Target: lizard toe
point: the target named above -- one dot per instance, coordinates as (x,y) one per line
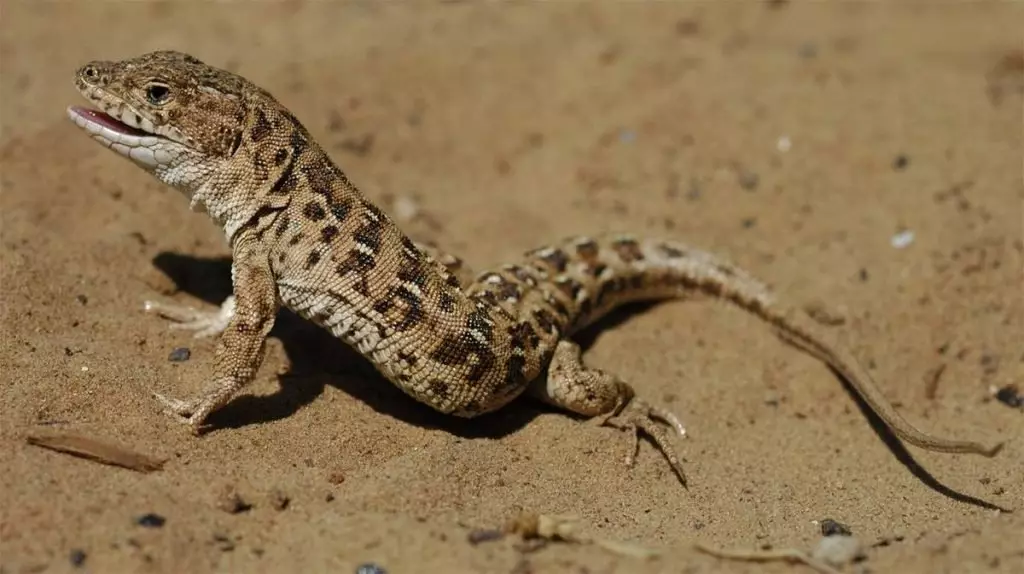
(639,416)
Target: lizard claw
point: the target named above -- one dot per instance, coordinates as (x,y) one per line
(205,323)
(184,412)
(638,415)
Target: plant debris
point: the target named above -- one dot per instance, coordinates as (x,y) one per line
(96,451)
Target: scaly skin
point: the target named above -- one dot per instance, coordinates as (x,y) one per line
(303,236)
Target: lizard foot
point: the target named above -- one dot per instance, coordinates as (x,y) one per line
(185,412)
(635,415)
(205,323)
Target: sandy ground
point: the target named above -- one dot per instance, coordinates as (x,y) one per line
(797,139)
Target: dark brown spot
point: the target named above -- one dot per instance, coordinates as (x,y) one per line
(558,306)
(286,182)
(446,302)
(295,239)
(312,259)
(257,220)
(412,273)
(628,250)
(407,358)
(261,127)
(358,263)
(725,270)
(524,335)
(570,287)
(383,306)
(478,321)
(328,233)
(340,209)
(314,211)
(557,259)
(439,388)
(369,236)
(596,270)
(587,250)
(671,251)
(514,376)
(280,156)
(522,274)
(297,142)
(456,350)
(545,321)
(413,308)
(282,224)
(508,290)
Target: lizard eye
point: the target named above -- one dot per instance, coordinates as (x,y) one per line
(158,94)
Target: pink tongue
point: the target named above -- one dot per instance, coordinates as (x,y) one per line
(107,121)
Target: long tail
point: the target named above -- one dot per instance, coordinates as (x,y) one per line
(591,276)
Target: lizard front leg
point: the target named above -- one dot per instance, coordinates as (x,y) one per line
(573,386)
(241,346)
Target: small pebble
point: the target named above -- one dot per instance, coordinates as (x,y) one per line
(279,500)
(151,520)
(406,208)
(902,239)
(370,568)
(230,501)
(900,162)
(1010,396)
(783,144)
(627,136)
(830,527)
(82,299)
(748,179)
(223,542)
(484,535)
(808,50)
(179,355)
(838,550)
(77,557)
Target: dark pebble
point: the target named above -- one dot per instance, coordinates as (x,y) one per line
(151,520)
(749,180)
(484,535)
(1010,396)
(370,568)
(900,162)
(82,299)
(179,355)
(830,527)
(863,274)
(748,222)
(223,542)
(77,557)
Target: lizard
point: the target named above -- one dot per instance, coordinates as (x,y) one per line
(303,236)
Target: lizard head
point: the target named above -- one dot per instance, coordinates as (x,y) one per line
(167,111)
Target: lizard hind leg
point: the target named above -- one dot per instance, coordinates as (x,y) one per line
(573,386)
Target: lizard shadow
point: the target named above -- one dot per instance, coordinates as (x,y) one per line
(905,458)
(318,359)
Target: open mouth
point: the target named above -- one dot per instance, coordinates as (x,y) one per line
(86,118)
(144,147)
